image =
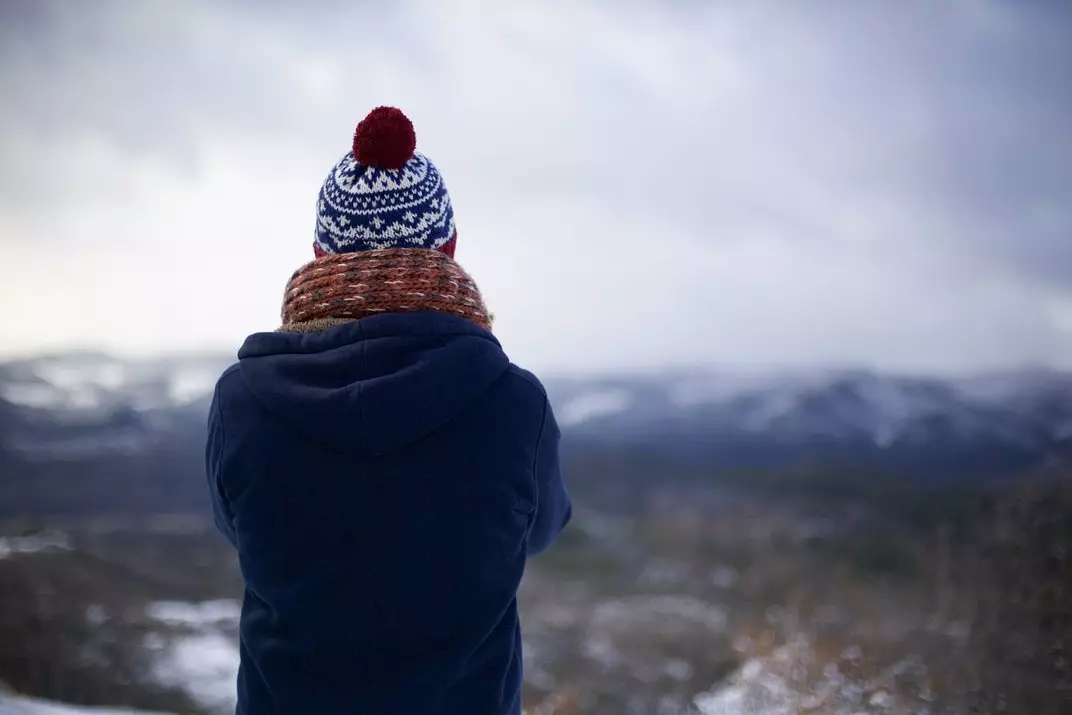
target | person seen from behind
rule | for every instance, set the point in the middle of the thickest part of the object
(381, 467)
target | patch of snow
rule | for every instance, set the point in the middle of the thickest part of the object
(37, 395)
(79, 382)
(202, 660)
(600, 648)
(751, 692)
(772, 404)
(38, 543)
(894, 402)
(82, 384)
(195, 615)
(588, 406)
(104, 373)
(189, 384)
(786, 683)
(878, 406)
(881, 699)
(839, 403)
(12, 705)
(204, 665)
(96, 615)
(725, 577)
(678, 669)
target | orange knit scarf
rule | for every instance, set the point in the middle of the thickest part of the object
(344, 287)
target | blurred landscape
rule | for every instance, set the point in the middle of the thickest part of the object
(885, 186)
(824, 541)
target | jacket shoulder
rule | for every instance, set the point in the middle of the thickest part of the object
(526, 381)
(527, 397)
(229, 382)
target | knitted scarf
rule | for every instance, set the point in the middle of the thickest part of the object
(340, 288)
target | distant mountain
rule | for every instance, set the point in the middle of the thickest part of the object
(72, 423)
(83, 381)
(982, 425)
(87, 434)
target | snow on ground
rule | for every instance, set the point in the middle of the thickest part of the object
(591, 405)
(39, 395)
(196, 651)
(195, 615)
(38, 543)
(779, 684)
(16, 705)
(204, 665)
(198, 654)
(753, 691)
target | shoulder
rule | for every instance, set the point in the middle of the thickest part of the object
(230, 380)
(528, 397)
(527, 383)
(229, 387)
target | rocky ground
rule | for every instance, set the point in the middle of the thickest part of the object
(758, 610)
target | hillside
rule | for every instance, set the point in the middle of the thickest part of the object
(88, 433)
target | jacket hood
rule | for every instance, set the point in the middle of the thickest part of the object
(375, 385)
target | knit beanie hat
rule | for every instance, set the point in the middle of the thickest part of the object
(383, 194)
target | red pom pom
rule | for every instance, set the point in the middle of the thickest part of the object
(384, 139)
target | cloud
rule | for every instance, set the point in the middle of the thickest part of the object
(636, 184)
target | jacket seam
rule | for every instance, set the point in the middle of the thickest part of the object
(218, 466)
(536, 460)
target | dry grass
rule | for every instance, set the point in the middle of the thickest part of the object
(1024, 638)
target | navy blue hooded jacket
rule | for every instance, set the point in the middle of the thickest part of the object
(383, 482)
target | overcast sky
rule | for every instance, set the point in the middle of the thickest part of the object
(635, 184)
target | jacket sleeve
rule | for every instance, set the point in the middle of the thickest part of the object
(553, 506)
(213, 461)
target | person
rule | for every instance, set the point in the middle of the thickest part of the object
(381, 467)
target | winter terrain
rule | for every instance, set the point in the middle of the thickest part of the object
(84, 404)
(617, 621)
(16, 705)
(746, 544)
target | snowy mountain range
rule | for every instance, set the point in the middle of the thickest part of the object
(82, 405)
(1028, 408)
(84, 381)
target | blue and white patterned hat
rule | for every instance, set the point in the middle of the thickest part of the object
(383, 194)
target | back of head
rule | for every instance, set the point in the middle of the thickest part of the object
(383, 194)
(384, 239)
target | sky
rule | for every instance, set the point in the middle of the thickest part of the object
(636, 184)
